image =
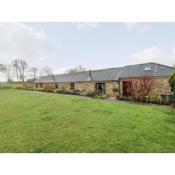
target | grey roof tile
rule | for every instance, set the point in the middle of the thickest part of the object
(112, 74)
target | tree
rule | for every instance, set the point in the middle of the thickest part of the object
(20, 67)
(172, 82)
(2, 68)
(8, 72)
(46, 71)
(79, 68)
(141, 88)
(15, 66)
(34, 71)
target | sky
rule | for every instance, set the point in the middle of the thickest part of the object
(93, 45)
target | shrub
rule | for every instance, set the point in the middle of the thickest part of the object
(19, 87)
(100, 96)
(30, 89)
(141, 88)
(89, 93)
(84, 93)
(69, 92)
(77, 92)
(72, 92)
(115, 90)
(59, 91)
(93, 93)
(5, 86)
(48, 89)
(40, 89)
(155, 99)
(172, 82)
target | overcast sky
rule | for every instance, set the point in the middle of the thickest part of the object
(92, 45)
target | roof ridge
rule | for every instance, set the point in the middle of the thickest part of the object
(163, 65)
(150, 63)
(116, 68)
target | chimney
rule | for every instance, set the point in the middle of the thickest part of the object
(53, 77)
(90, 74)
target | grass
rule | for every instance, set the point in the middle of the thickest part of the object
(45, 122)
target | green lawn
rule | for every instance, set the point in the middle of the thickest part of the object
(45, 122)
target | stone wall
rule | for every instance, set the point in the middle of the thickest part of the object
(44, 85)
(48, 85)
(88, 86)
(109, 88)
(64, 86)
(159, 85)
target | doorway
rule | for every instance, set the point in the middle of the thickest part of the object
(100, 88)
(127, 88)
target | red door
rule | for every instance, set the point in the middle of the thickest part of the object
(127, 87)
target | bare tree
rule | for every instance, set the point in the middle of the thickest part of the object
(141, 88)
(15, 66)
(20, 66)
(34, 71)
(8, 69)
(2, 68)
(79, 68)
(46, 71)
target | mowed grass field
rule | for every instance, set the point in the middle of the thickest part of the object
(45, 122)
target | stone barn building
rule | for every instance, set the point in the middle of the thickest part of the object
(105, 80)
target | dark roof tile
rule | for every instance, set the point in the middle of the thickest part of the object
(112, 74)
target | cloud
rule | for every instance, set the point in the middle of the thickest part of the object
(84, 25)
(155, 54)
(139, 26)
(18, 40)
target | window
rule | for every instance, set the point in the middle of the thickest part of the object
(41, 85)
(72, 86)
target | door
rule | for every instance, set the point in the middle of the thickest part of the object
(127, 88)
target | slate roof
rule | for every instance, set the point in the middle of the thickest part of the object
(112, 74)
(45, 79)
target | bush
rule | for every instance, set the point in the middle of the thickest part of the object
(72, 92)
(77, 92)
(30, 88)
(115, 90)
(100, 96)
(93, 94)
(89, 93)
(85, 93)
(152, 99)
(19, 87)
(47, 88)
(40, 89)
(172, 82)
(59, 91)
(5, 86)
